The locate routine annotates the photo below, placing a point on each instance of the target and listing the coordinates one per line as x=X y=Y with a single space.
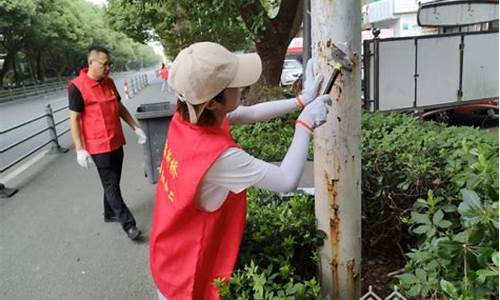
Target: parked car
x=483 y=114
x=292 y=70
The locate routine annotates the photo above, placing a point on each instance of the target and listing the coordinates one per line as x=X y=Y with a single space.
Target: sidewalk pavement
x=54 y=243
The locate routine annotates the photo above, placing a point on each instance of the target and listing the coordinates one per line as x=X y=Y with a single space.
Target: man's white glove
x=311 y=84
x=141 y=135
x=314 y=115
x=83 y=158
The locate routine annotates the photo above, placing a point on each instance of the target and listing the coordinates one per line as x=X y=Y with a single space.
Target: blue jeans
x=164 y=85
x=160 y=296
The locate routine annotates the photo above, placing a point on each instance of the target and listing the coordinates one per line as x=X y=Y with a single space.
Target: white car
x=292 y=69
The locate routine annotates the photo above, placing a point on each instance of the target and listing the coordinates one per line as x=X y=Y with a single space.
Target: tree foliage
x=135 y=22
x=428 y=190
x=178 y=24
x=193 y=21
x=47 y=38
x=269 y=25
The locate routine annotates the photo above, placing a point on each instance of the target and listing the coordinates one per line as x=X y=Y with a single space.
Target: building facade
x=395 y=18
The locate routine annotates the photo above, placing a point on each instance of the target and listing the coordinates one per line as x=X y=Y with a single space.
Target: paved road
x=53 y=241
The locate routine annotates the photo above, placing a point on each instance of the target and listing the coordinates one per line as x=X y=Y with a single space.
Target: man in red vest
x=95 y=112
x=200 y=206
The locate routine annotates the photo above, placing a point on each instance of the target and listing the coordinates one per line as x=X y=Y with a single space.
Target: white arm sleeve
x=285 y=178
x=261 y=112
x=236 y=170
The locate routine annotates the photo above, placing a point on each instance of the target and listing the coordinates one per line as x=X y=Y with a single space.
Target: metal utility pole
x=337 y=149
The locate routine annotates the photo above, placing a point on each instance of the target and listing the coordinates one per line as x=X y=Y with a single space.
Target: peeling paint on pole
x=334 y=233
x=337 y=150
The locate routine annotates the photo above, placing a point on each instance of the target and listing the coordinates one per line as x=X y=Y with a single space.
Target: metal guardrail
x=51 y=127
x=54 y=139
x=32 y=90
x=134 y=85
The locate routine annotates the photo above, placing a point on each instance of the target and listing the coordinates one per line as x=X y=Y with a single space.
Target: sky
x=98 y=2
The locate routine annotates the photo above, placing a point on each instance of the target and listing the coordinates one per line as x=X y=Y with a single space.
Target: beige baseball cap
x=203 y=70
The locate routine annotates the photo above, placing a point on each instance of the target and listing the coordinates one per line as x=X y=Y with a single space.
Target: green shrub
x=459 y=249
x=427 y=189
x=399 y=164
x=278 y=258
x=404 y=157
x=270 y=140
x=255 y=283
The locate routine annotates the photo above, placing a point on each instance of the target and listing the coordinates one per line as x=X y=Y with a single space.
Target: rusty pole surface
x=337 y=150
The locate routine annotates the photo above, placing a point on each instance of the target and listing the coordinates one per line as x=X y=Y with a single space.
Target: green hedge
x=278 y=258
x=441 y=183
x=427 y=189
x=268 y=141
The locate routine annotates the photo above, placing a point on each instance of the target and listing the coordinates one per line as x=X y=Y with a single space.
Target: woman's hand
x=314 y=115
x=311 y=84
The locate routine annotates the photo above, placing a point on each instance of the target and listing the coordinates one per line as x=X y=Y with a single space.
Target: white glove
x=311 y=84
x=314 y=115
x=83 y=158
x=141 y=135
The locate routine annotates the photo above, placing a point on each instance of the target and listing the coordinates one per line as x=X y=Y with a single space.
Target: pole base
x=6 y=192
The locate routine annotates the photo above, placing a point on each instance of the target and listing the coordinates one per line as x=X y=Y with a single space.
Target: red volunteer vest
x=189 y=247
x=100 y=125
x=164 y=73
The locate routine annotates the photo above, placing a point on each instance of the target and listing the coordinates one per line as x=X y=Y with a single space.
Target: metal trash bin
x=154 y=119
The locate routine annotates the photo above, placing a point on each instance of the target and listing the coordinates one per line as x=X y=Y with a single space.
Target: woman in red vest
x=164 y=77
x=200 y=206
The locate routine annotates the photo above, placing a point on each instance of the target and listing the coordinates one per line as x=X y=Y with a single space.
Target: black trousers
x=109 y=167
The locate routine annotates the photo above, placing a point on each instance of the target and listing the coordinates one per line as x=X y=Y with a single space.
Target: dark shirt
x=76 y=99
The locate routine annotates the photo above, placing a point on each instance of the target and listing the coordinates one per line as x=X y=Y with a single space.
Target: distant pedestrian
x=164 y=76
x=95 y=112
x=200 y=208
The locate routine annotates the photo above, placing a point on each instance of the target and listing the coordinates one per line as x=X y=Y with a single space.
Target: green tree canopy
x=133 y=21
x=269 y=25
x=46 y=38
x=15 y=25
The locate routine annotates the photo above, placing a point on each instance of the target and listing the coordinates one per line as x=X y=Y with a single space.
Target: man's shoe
x=111 y=219
x=133 y=233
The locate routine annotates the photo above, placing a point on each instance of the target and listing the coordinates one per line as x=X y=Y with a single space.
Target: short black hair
x=98 y=49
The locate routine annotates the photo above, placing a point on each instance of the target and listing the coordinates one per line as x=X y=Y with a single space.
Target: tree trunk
x=31 y=61
x=59 y=72
x=39 y=66
x=6 y=66
x=272 y=62
x=14 y=68
x=337 y=151
x=273 y=39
